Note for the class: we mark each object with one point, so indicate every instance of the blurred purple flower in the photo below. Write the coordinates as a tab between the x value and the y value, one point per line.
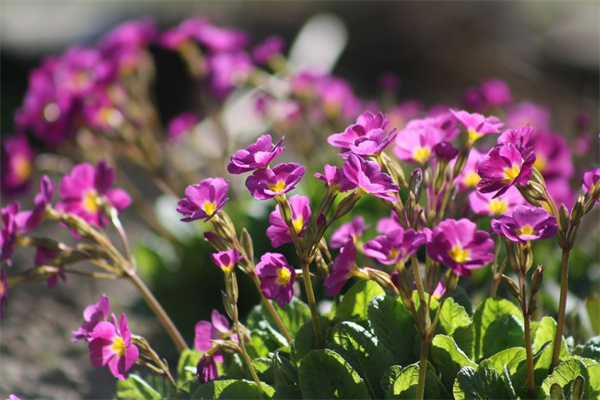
45	256
351	230
216	329
17	165
477	125
528	113
496	92
395	246
8	235
3	292
204	199
226	71
181	124
486	204
268	48
29	220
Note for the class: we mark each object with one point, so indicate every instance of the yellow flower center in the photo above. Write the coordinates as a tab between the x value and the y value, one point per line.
209	207
526	230
472	179
540	163
298	224
422	154
473	135
393	254
118	347
278	187
23	168
511	173
90	201
498	207
283	276
458	254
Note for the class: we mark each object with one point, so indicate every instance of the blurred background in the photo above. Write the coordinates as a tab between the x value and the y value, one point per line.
547	52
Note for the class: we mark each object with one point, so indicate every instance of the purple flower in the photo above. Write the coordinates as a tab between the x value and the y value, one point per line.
367	176
80	70
416	141
458	245
337	98
439	290
277	277
444	151
112	345
129	34
386	225
521	137
477	125
279	233
181	124
45	256
29	220
216	329
270	47
335	179
226	260
84	186
203	200
206	370
504	166
486	204
255	156
176	37
526	223
365	138
496	92
472	98
8	234
343	267
590	179
17	165
351	230
3	292
226	71
527	113
267	183
402	113
553	156
100	110
93	315
395	246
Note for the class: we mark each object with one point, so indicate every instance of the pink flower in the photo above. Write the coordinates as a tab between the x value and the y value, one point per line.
528	113
416	141
279	232
9	231
351	230
17	165
504	166
367	176
277	278
216	329
112	345
203	200
206	370
267	183
369	136
590	179
93	315
395	246
29	220
526	223
181	124
496	92
343	267
270	47
477	125
256	156
46	257
335	179
226	260
82	190
486	204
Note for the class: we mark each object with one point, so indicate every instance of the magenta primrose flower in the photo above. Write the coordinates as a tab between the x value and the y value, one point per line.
365	138
204	199
206	370
277	277
486	204
416	141
225	71
386	225
216	329
528	113
270	47
181	124
84	186
351	230
93	315
477	125
255	156
343	268
335	179
526	223
279	233
28	220
17	165
267	183
502	167
3	292
8	234
111	344
460	246
226	260
590	179
395	246
367	176
496	92
45	256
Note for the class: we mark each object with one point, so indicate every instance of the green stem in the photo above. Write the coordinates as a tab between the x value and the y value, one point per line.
160	313
562	305
282	328
314	313
247	358
527	320
422	368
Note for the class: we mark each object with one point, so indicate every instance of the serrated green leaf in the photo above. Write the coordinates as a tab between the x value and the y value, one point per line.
594	381
187	358
485	383
135	387
449	359
264	369
389	377
305	340
355	303
455	322
406	384
287	392
293	315
577	388
493	311
591	349
462	298
514	360
324	374
565	374
362	351
231	389
592	305
545	334
284	370
394	327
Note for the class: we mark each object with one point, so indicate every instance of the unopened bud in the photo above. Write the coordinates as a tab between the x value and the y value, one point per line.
246	243
511	255
511	286
416	183
216	241
229	308
563	214
347	204
525	257
231	286
537	177
461	161
451	280
536	279
535	191
382	278
577	211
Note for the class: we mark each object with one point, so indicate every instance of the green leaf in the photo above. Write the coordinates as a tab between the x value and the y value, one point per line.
287	391
231	389
565	374
461	297
324	374
508	381
264	369
497	312
594	381
293	315
592	305
362	351
394	327
187	358
355	303
454	321
406	384
545	334
390	376
284	370
262	344
136	388
485	383
556	392
577	388
449	358
591	349
305	340
514	360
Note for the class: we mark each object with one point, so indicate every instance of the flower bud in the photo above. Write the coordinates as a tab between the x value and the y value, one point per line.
216	241
536	279
231	286
246	243
511	286
578	211
511	255
382	278
535	191
525	257
229	308
416	183
451	280
461	161
347	204
563	214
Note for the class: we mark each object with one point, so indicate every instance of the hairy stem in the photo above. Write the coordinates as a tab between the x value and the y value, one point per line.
527	320
314	313
422	367
562	305
245	355
282	328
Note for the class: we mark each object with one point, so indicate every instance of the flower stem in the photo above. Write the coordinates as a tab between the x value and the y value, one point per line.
422	368
527	320
562	305
282	328
314	313
159	312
